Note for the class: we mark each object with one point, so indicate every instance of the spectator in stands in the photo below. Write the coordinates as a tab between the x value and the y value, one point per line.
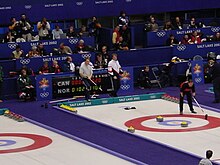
144	78
177	24
125	33
114	69
123	19
105	55
81	47
195	38
29	71
115	37
151	25
25	87
69	66
55	67
207	161
14	28
83	31
57	32
185	39
33	52
200	25
1	82
100	62
41	50
43	29
171	41
9	37
17	53
168	26
192	23
94	26
122	45
26	28
217	37
71	33
65	49
45	68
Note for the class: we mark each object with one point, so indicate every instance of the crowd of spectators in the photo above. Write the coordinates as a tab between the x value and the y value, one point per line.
23	31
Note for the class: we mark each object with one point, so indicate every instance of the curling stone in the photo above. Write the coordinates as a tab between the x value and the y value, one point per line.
159	118
184	124
131	129
6	113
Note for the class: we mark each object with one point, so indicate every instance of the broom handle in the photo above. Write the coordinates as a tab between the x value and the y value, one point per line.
197	103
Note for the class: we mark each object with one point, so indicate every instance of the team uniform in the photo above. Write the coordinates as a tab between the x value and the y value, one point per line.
114	68
187	90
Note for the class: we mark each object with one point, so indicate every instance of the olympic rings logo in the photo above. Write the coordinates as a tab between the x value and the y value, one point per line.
125	87
80	3
27	6
181	47
73	40
215	29
25	61
12	46
161	34
87	55
198	80
44	94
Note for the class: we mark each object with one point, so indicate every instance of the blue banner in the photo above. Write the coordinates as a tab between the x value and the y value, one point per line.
159	38
44	87
197	72
66	9
127	82
191	50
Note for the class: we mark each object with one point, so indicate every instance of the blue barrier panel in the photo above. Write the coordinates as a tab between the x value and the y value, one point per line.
190	50
139	37
105	37
8	66
145	56
159	38
7	48
9	87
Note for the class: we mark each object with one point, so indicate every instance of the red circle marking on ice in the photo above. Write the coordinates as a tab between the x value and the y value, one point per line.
39	142
214	122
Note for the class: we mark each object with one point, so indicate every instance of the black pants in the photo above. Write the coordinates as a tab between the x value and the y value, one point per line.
29	93
189	100
87	83
145	83
216	88
116	85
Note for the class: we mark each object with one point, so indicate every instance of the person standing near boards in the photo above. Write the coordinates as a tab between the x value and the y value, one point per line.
187	88
86	72
114	69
